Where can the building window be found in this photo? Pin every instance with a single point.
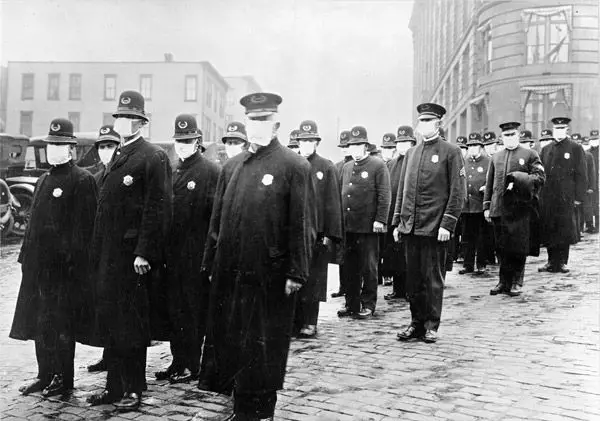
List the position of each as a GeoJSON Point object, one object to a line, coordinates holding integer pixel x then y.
{"type": "Point", "coordinates": [26, 123]}
{"type": "Point", "coordinates": [455, 87]}
{"type": "Point", "coordinates": [214, 95]}
{"type": "Point", "coordinates": [214, 131]}
{"type": "Point", "coordinates": [207, 130]}
{"type": "Point", "coordinates": [146, 129]}
{"type": "Point", "coordinates": [75, 118]}
{"type": "Point", "coordinates": [107, 119]}
{"type": "Point", "coordinates": [191, 88]}
{"type": "Point", "coordinates": [221, 106]}
{"type": "Point", "coordinates": [220, 134]}
{"type": "Point", "coordinates": [27, 86]}
{"type": "Point", "coordinates": [208, 95]}
{"type": "Point", "coordinates": [110, 87]}
{"type": "Point", "coordinates": [75, 86]}
{"type": "Point", "coordinates": [146, 86]}
{"type": "Point", "coordinates": [486, 39]}
{"type": "Point", "coordinates": [548, 32]}
{"type": "Point", "coordinates": [465, 71]}
{"type": "Point", "coordinates": [53, 86]}
{"type": "Point", "coordinates": [542, 102]}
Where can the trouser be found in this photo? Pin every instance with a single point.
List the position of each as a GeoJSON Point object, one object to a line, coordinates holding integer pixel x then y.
{"type": "Point", "coordinates": [426, 272]}
{"type": "Point", "coordinates": [489, 239]}
{"type": "Point", "coordinates": [307, 313]}
{"type": "Point", "coordinates": [512, 269]}
{"type": "Point", "coordinates": [252, 406]}
{"type": "Point", "coordinates": [558, 255]}
{"type": "Point", "coordinates": [474, 231]}
{"type": "Point", "coordinates": [399, 276]}
{"type": "Point", "coordinates": [361, 257]}
{"type": "Point", "coordinates": [57, 359]}
{"type": "Point", "coordinates": [126, 370]}
{"type": "Point", "coordinates": [186, 350]}
{"type": "Point", "coordinates": [381, 272]}
{"type": "Point", "coordinates": [343, 272]}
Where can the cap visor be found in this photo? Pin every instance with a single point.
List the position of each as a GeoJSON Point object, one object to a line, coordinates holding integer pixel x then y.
{"type": "Point", "coordinates": [60, 139]}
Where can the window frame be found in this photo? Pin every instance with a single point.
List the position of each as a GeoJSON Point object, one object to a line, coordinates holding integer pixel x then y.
{"type": "Point", "coordinates": [23, 96]}
{"type": "Point", "coordinates": [108, 76]}
{"type": "Point", "coordinates": [143, 77]}
{"type": "Point", "coordinates": [76, 125]}
{"type": "Point", "coordinates": [71, 86]}
{"type": "Point", "coordinates": [21, 115]}
{"type": "Point", "coordinates": [186, 89]}
{"type": "Point", "coordinates": [53, 77]}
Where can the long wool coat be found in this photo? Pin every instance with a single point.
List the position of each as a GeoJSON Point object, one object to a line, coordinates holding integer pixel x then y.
{"type": "Point", "coordinates": [262, 232]}
{"type": "Point", "coordinates": [54, 257]}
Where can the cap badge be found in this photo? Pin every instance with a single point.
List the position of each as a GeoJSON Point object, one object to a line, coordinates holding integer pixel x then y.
{"type": "Point", "coordinates": [343, 136]}
{"type": "Point", "coordinates": [258, 99]}
{"type": "Point", "coordinates": [425, 107]}
{"type": "Point", "coordinates": [402, 132]}
{"type": "Point", "coordinates": [523, 134]}
{"type": "Point", "coordinates": [232, 128]}
{"type": "Point", "coordinates": [320, 175]}
{"type": "Point", "coordinates": [55, 127]}
{"type": "Point", "coordinates": [191, 185]}
{"type": "Point", "coordinates": [355, 132]}
{"type": "Point", "coordinates": [57, 192]}
{"type": "Point", "coordinates": [386, 138]}
{"type": "Point", "coordinates": [435, 159]}
{"type": "Point", "coordinates": [182, 124]}
{"type": "Point", "coordinates": [104, 130]}
{"type": "Point", "coordinates": [306, 128]}
{"type": "Point", "coordinates": [267, 179]}
{"type": "Point", "coordinates": [125, 100]}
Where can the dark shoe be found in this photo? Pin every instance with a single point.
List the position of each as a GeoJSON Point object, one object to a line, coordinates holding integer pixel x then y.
{"type": "Point", "coordinates": [515, 291]}
{"type": "Point", "coordinates": [166, 374]}
{"type": "Point", "coordinates": [129, 402]}
{"type": "Point", "coordinates": [392, 296]}
{"type": "Point", "coordinates": [183, 377]}
{"type": "Point", "coordinates": [465, 270]}
{"type": "Point", "coordinates": [365, 313]}
{"type": "Point", "coordinates": [345, 312]}
{"type": "Point", "coordinates": [337, 294]}
{"type": "Point", "coordinates": [480, 271]}
{"type": "Point", "coordinates": [546, 268]}
{"type": "Point", "coordinates": [103, 398]}
{"type": "Point", "coordinates": [411, 332]}
{"type": "Point", "coordinates": [562, 269]}
{"type": "Point", "coordinates": [33, 387]}
{"type": "Point", "coordinates": [100, 365]}
{"type": "Point", "coordinates": [308, 331]}
{"type": "Point", "coordinates": [498, 289]}
{"type": "Point", "coordinates": [430, 336]}
{"type": "Point", "coordinates": [56, 387]}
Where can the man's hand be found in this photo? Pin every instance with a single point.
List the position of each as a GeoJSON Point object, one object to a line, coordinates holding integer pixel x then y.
{"type": "Point", "coordinates": [590, 191]}
{"type": "Point", "coordinates": [141, 266]}
{"type": "Point", "coordinates": [326, 241]}
{"type": "Point", "coordinates": [443, 234]}
{"type": "Point", "coordinates": [486, 215]}
{"type": "Point", "coordinates": [510, 186]}
{"type": "Point", "coordinates": [577, 203]}
{"type": "Point", "coordinates": [482, 188]}
{"type": "Point", "coordinates": [378, 227]}
{"type": "Point", "coordinates": [291, 287]}
{"type": "Point", "coordinates": [396, 235]}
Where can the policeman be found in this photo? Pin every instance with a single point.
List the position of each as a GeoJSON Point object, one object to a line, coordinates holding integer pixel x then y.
{"type": "Point", "coordinates": [456, 246]}
{"type": "Point", "coordinates": [53, 302]}
{"type": "Point", "coordinates": [433, 191]}
{"type": "Point", "coordinates": [489, 143]}
{"type": "Point", "coordinates": [586, 212]}
{"type": "Point", "coordinates": [388, 147]}
{"type": "Point", "coordinates": [513, 181]}
{"type": "Point", "coordinates": [388, 151]}
{"type": "Point", "coordinates": [374, 151]}
{"type": "Point", "coordinates": [329, 229]}
{"type": "Point", "coordinates": [366, 203]}
{"type": "Point", "coordinates": [545, 138]}
{"type": "Point", "coordinates": [394, 257]}
{"type": "Point", "coordinates": [526, 139]}
{"type": "Point", "coordinates": [339, 248]}
{"type": "Point", "coordinates": [194, 184]}
{"type": "Point", "coordinates": [461, 141]}
{"type": "Point", "coordinates": [235, 139]}
{"type": "Point", "coordinates": [293, 143]}
{"type": "Point", "coordinates": [128, 247]}
{"type": "Point", "coordinates": [565, 189]}
{"type": "Point", "coordinates": [474, 224]}
{"type": "Point", "coordinates": [593, 229]}
{"type": "Point", "coordinates": [262, 233]}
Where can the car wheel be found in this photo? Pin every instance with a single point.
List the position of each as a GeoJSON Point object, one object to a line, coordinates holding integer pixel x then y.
{"type": "Point", "coordinates": [22, 214]}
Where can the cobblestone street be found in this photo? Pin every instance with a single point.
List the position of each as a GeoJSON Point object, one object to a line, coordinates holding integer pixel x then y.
{"type": "Point", "coordinates": [498, 358]}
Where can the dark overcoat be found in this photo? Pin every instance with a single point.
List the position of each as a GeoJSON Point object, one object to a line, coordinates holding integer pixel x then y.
{"type": "Point", "coordinates": [566, 182]}
{"type": "Point", "coordinates": [592, 178]}
{"type": "Point", "coordinates": [54, 257]}
{"type": "Point", "coordinates": [596, 193]}
{"type": "Point", "coordinates": [262, 232]}
{"type": "Point", "coordinates": [194, 185]}
{"type": "Point", "coordinates": [337, 253]}
{"type": "Point", "coordinates": [133, 217]}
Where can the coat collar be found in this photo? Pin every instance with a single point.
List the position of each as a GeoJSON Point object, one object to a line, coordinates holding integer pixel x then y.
{"type": "Point", "coordinates": [182, 165]}
{"type": "Point", "coordinates": [263, 150]}
{"type": "Point", "coordinates": [57, 169]}
{"type": "Point", "coordinates": [364, 161]}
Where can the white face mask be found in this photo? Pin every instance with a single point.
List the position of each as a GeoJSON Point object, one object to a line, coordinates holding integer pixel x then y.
{"type": "Point", "coordinates": [357, 151]}
{"type": "Point", "coordinates": [526, 145]}
{"type": "Point", "coordinates": [594, 143]}
{"type": "Point", "coordinates": [490, 149]}
{"type": "Point", "coordinates": [260, 132]}
{"type": "Point", "coordinates": [106, 153]}
{"type": "Point", "coordinates": [560, 134]}
{"type": "Point", "coordinates": [464, 151]}
{"type": "Point", "coordinates": [474, 151]}
{"type": "Point", "coordinates": [185, 150]}
{"type": "Point", "coordinates": [427, 128]}
{"type": "Point", "coordinates": [124, 126]}
{"type": "Point", "coordinates": [403, 147]}
{"type": "Point", "coordinates": [511, 142]}
{"type": "Point", "coordinates": [388, 153]}
{"type": "Point", "coordinates": [586, 147]}
{"type": "Point", "coordinates": [307, 148]}
{"type": "Point", "coordinates": [233, 149]}
{"type": "Point", "coordinates": [58, 154]}
{"type": "Point", "coordinates": [345, 152]}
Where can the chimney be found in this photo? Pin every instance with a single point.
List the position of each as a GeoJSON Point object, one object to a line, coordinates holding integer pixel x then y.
{"type": "Point", "coordinates": [168, 57]}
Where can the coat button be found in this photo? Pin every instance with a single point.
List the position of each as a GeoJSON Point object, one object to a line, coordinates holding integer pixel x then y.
{"type": "Point", "coordinates": [348, 209]}
{"type": "Point", "coordinates": [348, 195]}
{"type": "Point", "coordinates": [349, 184]}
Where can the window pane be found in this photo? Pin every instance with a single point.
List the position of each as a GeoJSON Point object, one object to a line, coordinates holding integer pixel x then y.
{"type": "Point", "coordinates": [74, 118]}
{"type": "Point", "coordinates": [26, 123]}
{"type": "Point", "coordinates": [107, 118]}
{"type": "Point", "coordinates": [191, 90]}
{"type": "Point", "coordinates": [110, 87]}
{"type": "Point", "coordinates": [30, 157]}
{"type": "Point", "coordinates": [75, 86]}
{"type": "Point", "coordinates": [146, 86]}
{"type": "Point", "coordinates": [53, 86]}
{"type": "Point", "coordinates": [27, 85]}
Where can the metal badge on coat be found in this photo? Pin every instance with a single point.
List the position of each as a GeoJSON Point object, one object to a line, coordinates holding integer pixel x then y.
{"type": "Point", "coordinates": [364, 174]}
{"type": "Point", "coordinates": [320, 175]}
{"type": "Point", "coordinates": [267, 179]}
{"type": "Point", "coordinates": [521, 161]}
{"type": "Point", "coordinates": [57, 192]}
{"type": "Point", "coordinates": [128, 180]}
{"type": "Point", "coordinates": [435, 159]}
{"type": "Point", "coordinates": [480, 169]}
{"type": "Point", "coordinates": [567, 155]}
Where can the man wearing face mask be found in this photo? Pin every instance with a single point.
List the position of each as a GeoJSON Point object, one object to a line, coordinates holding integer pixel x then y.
{"type": "Point", "coordinates": [52, 306]}
{"type": "Point", "coordinates": [131, 227]}
{"type": "Point", "coordinates": [430, 198]}
{"type": "Point", "coordinates": [339, 248]}
{"type": "Point", "coordinates": [293, 142]}
{"type": "Point", "coordinates": [194, 184]}
{"type": "Point", "coordinates": [586, 214]}
{"type": "Point", "coordinates": [262, 232]}
{"type": "Point", "coordinates": [456, 246]}
{"type": "Point", "coordinates": [514, 179]}
{"type": "Point", "coordinates": [461, 141]}
{"type": "Point", "coordinates": [474, 224]}
{"type": "Point", "coordinates": [489, 143]}
{"type": "Point", "coordinates": [329, 229]}
{"type": "Point", "coordinates": [388, 148]}
{"type": "Point", "coordinates": [526, 139]}
{"type": "Point", "coordinates": [394, 256]}
{"type": "Point", "coordinates": [564, 191]}
{"type": "Point", "coordinates": [235, 139]}
{"type": "Point", "coordinates": [388, 151]}
{"type": "Point", "coordinates": [365, 202]}
{"type": "Point", "coordinates": [545, 138]}
{"type": "Point", "coordinates": [593, 227]}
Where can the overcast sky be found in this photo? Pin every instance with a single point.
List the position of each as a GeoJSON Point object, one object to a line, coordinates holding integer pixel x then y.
{"type": "Point", "coordinates": [329, 59]}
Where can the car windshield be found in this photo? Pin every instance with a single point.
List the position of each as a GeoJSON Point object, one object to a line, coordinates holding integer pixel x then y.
{"type": "Point", "coordinates": [30, 158]}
